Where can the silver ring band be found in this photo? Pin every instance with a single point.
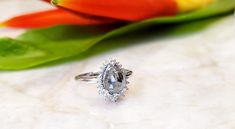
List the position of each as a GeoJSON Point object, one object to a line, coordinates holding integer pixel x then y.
{"type": "Point", "coordinates": [87, 77]}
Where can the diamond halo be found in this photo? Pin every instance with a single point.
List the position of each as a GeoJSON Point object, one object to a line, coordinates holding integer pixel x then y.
{"type": "Point", "coordinates": [112, 80]}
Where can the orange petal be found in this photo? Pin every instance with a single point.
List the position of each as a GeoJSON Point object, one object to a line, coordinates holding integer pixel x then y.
{"type": "Point", "coordinates": [52, 18]}
{"type": "Point", "coordinates": [131, 10]}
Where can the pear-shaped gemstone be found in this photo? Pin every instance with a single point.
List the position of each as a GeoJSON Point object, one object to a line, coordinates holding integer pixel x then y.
{"type": "Point", "coordinates": [114, 80]}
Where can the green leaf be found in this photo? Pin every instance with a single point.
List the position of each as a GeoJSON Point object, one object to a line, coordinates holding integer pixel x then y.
{"type": "Point", "coordinates": [46, 45]}
{"type": "Point", "coordinates": [17, 49]}
{"type": "Point", "coordinates": [14, 52]}
{"type": "Point", "coordinates": [42, 46]}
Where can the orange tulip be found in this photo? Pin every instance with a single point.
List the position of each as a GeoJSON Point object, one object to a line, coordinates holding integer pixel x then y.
{"type": "Point", "coordinates": [92, 12]}
{"type": "Point", "coordinates": [121, 9]}
{"type": "Point", "coordinates": [52, 18]}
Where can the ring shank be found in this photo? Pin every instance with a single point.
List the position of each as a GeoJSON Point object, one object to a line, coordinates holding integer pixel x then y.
{"type": "Point", "coordinates": [87, 76]}
{"type": "Point", "coordinates": [93, 75]}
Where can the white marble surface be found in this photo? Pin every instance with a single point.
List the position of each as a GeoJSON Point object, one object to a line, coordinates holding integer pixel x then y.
{"type": "Point", "coordinates": [181, 83]}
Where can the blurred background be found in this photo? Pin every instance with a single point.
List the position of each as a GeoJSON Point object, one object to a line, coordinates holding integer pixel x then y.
{"type": "Point", "coordinates": [183, 78]}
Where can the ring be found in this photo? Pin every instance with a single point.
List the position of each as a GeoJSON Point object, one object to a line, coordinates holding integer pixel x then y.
{"type": "Point", "coordinates": [112, 80]}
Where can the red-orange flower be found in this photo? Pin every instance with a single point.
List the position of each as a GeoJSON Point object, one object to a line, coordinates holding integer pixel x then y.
{"type": "Point", "coordinates": [121, 9]}
{"type": "Point", "coordinates": [91, 12]}
{"type": "Point", "coordinates": [54, 17]}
